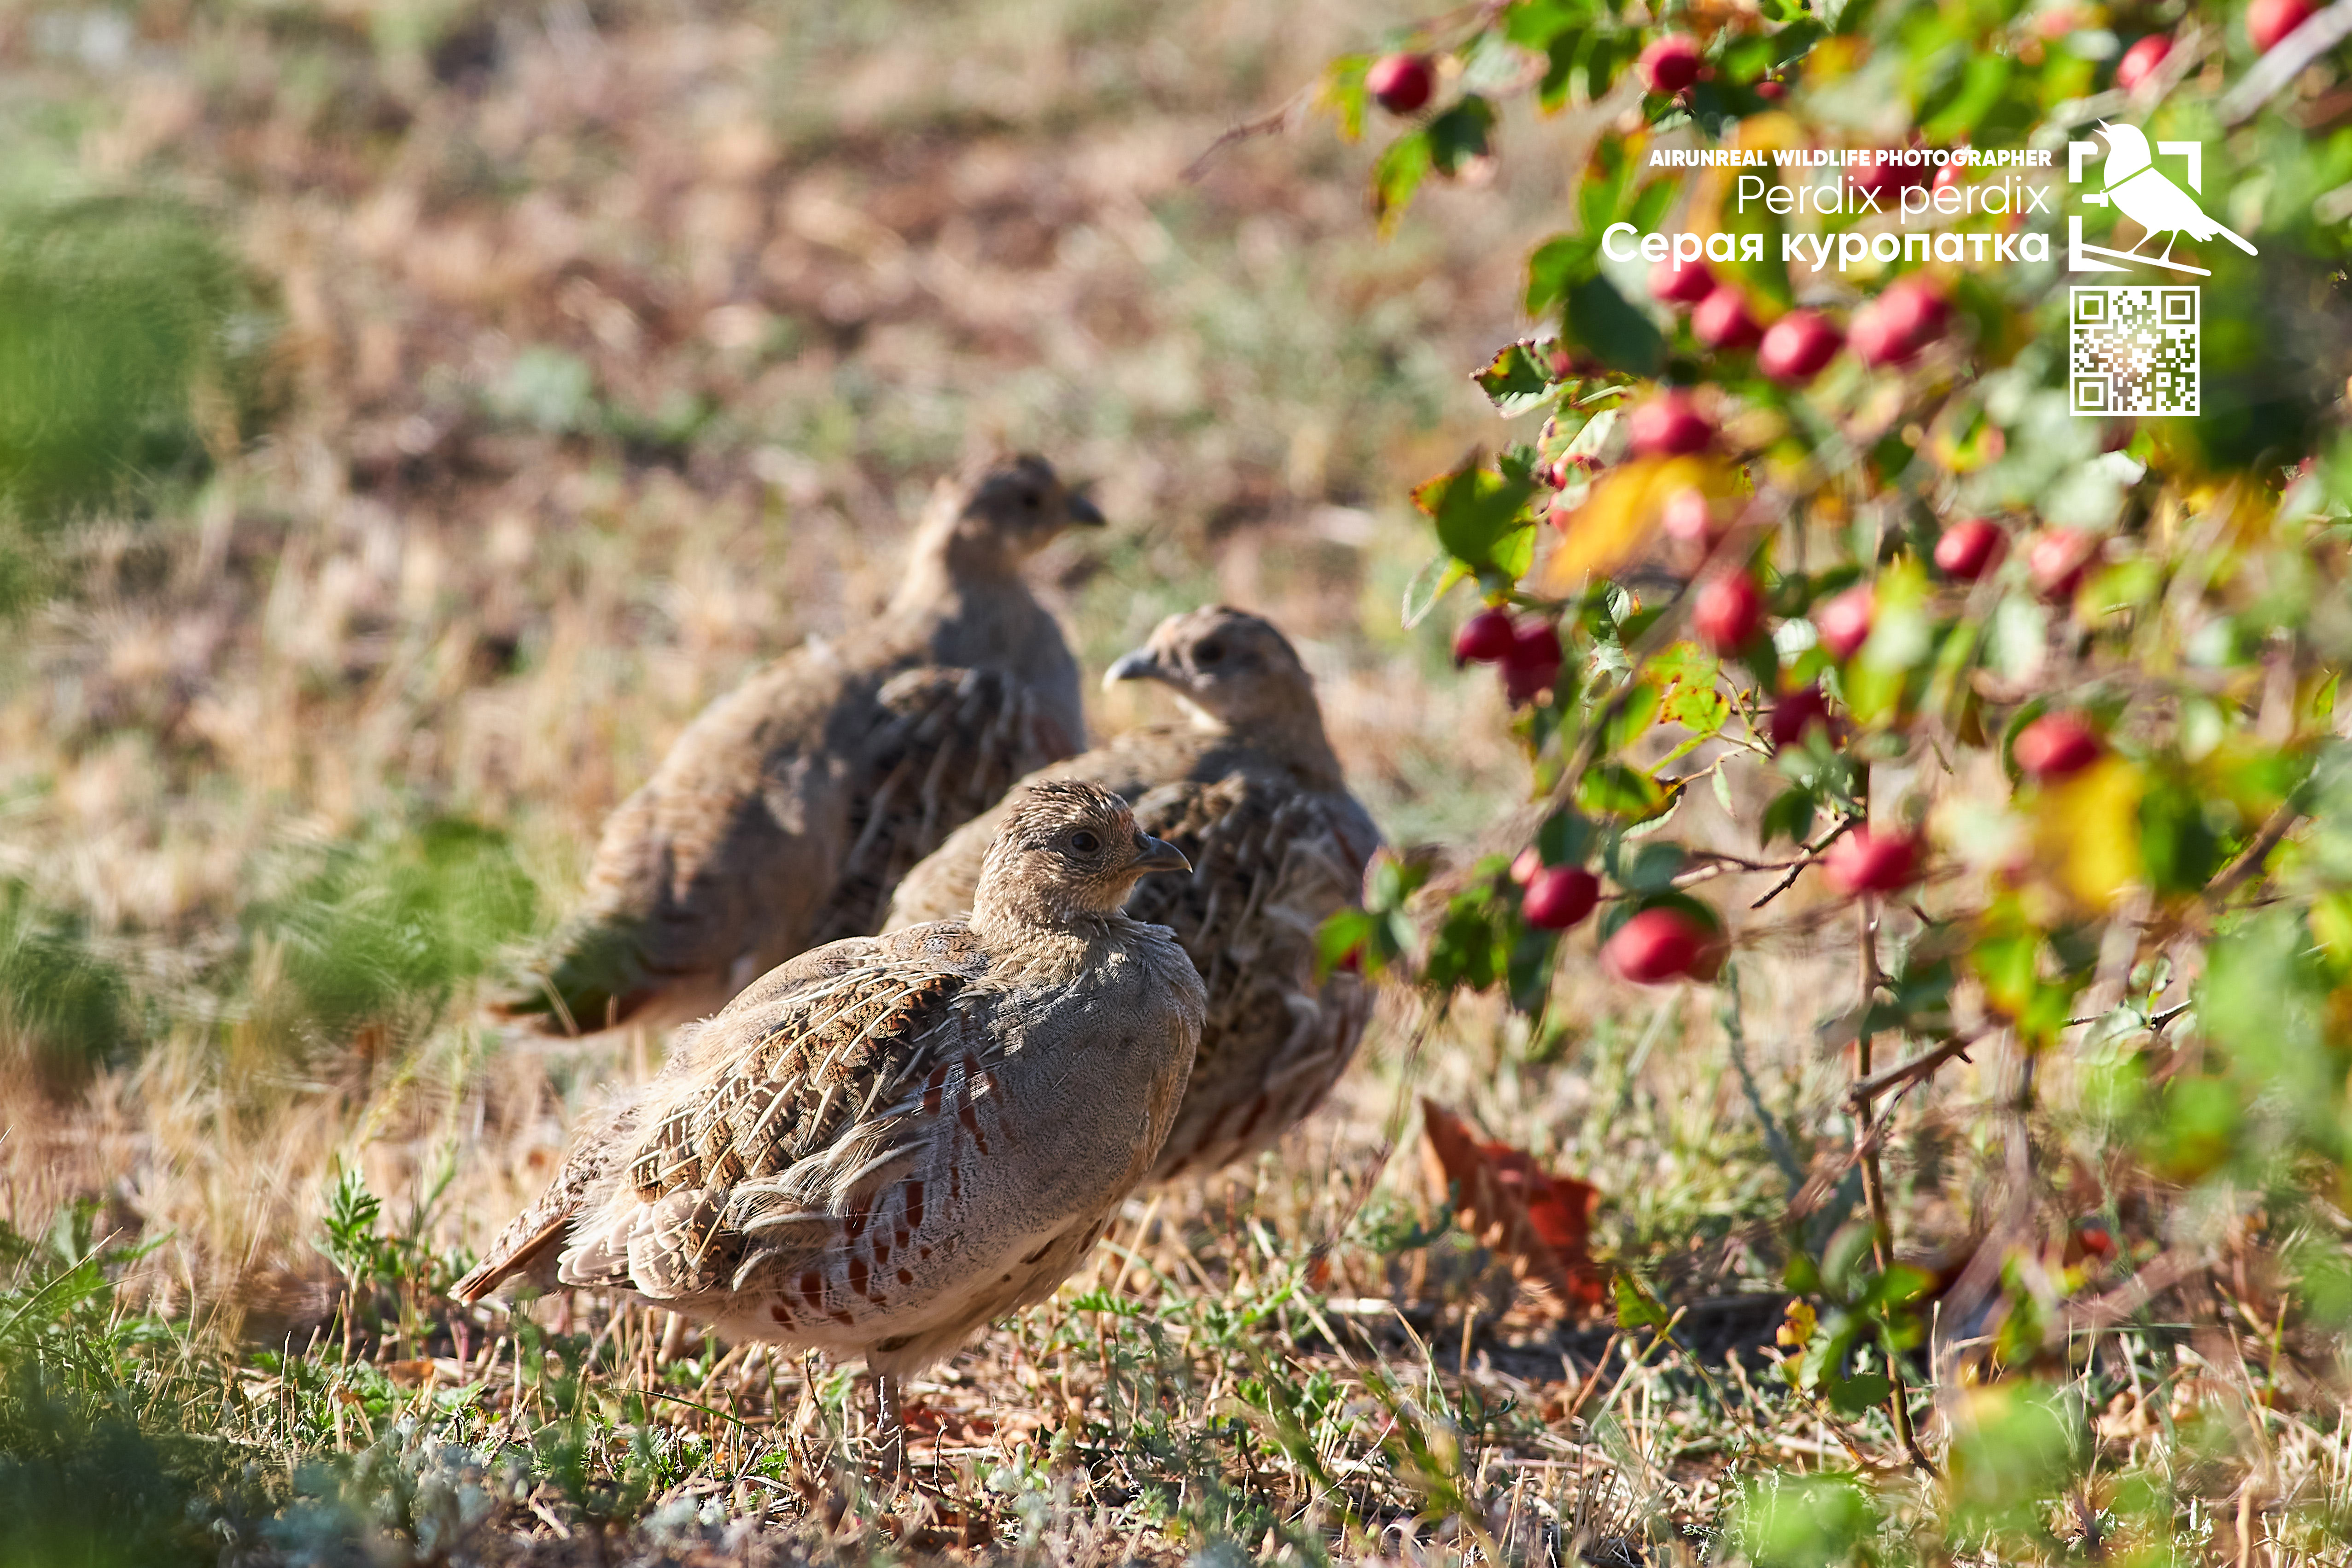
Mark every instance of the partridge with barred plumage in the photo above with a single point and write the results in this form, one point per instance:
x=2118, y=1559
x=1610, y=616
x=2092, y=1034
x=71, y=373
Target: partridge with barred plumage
x=1250, y=789
x=784, y=814
x=890, y=1141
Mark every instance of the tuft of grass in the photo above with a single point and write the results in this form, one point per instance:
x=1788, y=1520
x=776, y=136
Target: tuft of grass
x=131, y=352
x=383, y=931
x=66, y=1010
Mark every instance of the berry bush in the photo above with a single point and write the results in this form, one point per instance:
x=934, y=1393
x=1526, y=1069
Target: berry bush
x=2036, y=705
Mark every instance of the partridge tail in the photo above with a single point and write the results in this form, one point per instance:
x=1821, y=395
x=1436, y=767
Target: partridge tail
x=526, y=1246
x=2235, y=238
x=597, y=979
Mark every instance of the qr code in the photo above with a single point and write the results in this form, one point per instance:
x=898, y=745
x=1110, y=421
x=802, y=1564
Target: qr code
x=2132, y=350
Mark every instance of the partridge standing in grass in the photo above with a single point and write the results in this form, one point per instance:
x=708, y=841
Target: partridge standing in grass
x=785, y=812
x=1251, y=792
x=885, y=1142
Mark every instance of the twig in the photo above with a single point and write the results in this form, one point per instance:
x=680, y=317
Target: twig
x=1812, y=853
x=2285, y=61
x=1866, y=1089
x=1873, y=1185
x=1266, y=125
x=2275, y=827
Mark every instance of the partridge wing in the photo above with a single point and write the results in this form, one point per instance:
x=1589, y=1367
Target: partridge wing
x=1272, y=863
x=718, y=863
x=944, y=746
x=787, y=1108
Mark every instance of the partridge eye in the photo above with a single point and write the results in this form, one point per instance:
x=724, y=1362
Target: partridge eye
x=1209, y=652
x=1085, y=842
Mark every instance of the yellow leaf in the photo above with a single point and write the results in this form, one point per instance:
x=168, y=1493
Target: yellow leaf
x=1797, y=1332
x=1618, y=515
x=2086, y=831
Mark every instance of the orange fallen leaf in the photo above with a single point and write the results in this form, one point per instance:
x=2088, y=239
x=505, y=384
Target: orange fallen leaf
x=1542, y=1222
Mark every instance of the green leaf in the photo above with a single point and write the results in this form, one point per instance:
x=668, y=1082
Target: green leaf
x=1651, y=867
x=1460, y=134
x=1534, y=24
x=1613, y=789
x=1478, y=512
x=1430, y=584
x=1689, y=674
x=1515, y=380
x=1636, y=1307
x=1854, y=1395
x=1630, y=719
x=1565, y=839
x=1790, y=817
x=1397, y=174
x=2179, y=846
x=1618, y=334
x=1559, y=265
x=1343, y=93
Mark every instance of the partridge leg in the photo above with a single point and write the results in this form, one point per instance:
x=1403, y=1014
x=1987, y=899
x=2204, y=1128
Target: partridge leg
x=889, y=1432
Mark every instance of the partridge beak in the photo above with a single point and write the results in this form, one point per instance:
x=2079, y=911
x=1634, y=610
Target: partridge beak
x=1141, y=665
x=1083, y=511
x=1158, y=854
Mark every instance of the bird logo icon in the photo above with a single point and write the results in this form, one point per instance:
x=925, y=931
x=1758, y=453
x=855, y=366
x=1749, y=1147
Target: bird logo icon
x=2136, y=187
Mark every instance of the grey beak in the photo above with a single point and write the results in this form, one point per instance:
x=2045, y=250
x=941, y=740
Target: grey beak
x=1159, y=854
x=1084, y=511
x=1139, y=665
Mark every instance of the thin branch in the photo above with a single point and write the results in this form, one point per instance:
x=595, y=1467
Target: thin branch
x=1874, y=1186
x=1868, y=1089
x=1267, y=124
x=1812, y=853
x=2272, y=830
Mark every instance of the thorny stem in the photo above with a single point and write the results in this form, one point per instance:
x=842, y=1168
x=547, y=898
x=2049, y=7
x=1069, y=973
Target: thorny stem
x=1874, y=1186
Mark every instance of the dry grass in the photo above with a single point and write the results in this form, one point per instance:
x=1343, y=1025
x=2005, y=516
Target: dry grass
x=618, y=343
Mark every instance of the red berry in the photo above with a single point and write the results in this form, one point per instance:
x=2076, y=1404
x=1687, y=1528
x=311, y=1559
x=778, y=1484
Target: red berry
x=2139, y=61
x=1485, y=639
x=2057, y=558
x=1558, y=896
x=1795, y=347
x=1844, y=622
x=1772, y=89
x=1886, y=173
x=1532, y=666
x=1969, y=549
x=1728, y=611
x=1796, y=713
x=1949, y=175
x=1668, y=425
x=1688, y=517
x=1524, y=867
x=1681, y=282
x=2268, y=21
x=1401, y=83
x=2056, y=745
x=1658, y=944
x=1670, y=62
x=1868, y=861
x=1722, y=321
x=1905, y=319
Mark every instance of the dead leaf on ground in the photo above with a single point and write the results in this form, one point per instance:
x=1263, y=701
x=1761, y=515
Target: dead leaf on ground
x=1541, y=1222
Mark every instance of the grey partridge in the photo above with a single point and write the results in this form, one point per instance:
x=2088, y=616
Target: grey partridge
x=887, y=1142
x=785, y=812
x=1249, y=789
